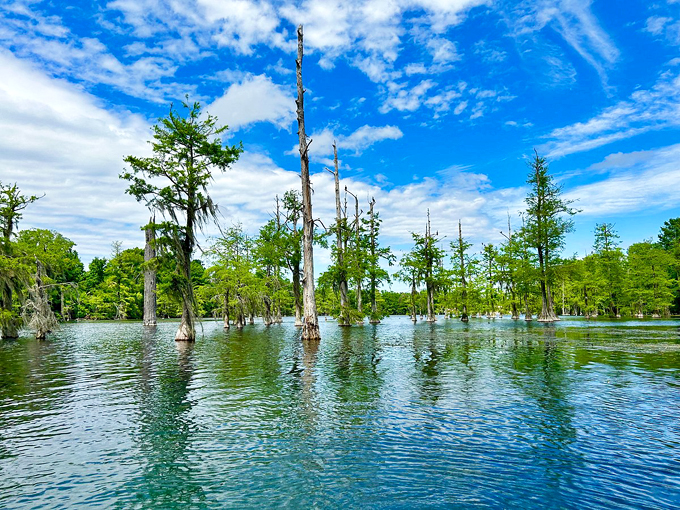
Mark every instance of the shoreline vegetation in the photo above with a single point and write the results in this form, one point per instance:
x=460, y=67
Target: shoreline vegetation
x=270, y=275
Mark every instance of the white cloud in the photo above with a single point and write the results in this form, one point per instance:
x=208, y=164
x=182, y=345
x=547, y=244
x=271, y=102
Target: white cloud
x=637, y=181
x=665, y=27
x=255, y=99
x=404, y=99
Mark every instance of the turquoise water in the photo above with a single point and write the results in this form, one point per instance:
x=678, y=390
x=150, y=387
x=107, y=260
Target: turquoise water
x=491, y=414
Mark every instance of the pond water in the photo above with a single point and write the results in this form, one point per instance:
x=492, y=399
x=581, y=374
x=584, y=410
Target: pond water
x=491, y=414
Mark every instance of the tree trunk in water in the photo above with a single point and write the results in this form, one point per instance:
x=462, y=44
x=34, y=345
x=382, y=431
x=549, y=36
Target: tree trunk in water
x=547, y=312
x=515, y=312
x=150, y=276
x=430, y=303
x=343, y=320
x=187, y=328
x=240, y=321
x=310, y=329
x=267, y=311
x=186, y=331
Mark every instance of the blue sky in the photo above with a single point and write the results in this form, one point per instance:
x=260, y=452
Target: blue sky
x=434, y=104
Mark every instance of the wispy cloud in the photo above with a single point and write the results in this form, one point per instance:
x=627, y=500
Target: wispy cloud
x=635, y=181
x=645, y=110
x=575, y=22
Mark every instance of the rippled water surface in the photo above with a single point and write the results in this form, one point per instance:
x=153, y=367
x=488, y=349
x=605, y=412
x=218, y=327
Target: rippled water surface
x=490, y=414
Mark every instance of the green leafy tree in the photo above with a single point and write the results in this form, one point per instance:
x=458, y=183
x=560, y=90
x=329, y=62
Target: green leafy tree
x=410, y=272
x=186, y=151
x=548, y=221
x=425, y=264
x=610, y=264
x=61, y=267
x=13, y=271
x=461, y=261
x=376, y=254
x=669, y=240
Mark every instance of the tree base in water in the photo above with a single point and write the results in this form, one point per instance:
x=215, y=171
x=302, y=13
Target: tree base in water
x=310, y=331
x=9, y=332
x=185, y=334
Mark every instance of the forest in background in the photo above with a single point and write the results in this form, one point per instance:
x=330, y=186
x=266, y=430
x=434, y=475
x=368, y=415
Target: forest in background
x=244, y=277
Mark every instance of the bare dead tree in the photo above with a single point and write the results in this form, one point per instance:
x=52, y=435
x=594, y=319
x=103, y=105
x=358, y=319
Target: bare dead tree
x=310, y=329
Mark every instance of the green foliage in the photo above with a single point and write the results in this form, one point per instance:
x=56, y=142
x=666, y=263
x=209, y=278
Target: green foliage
x=649, y=286
x=14, y=270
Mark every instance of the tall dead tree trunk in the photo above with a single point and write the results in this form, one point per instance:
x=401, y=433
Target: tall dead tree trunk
x=429, y=268
x=150, y=275
x=343, y=320
x=374, y=304
x=461, y=253
x=357, y=257
x=310, y=329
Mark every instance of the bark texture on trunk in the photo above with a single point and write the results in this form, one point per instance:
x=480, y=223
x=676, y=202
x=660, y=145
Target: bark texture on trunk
x=150, y=276
x=187, y=328
x=310, y=329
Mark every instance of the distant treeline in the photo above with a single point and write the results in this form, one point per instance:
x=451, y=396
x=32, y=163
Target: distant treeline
x=240, y=277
